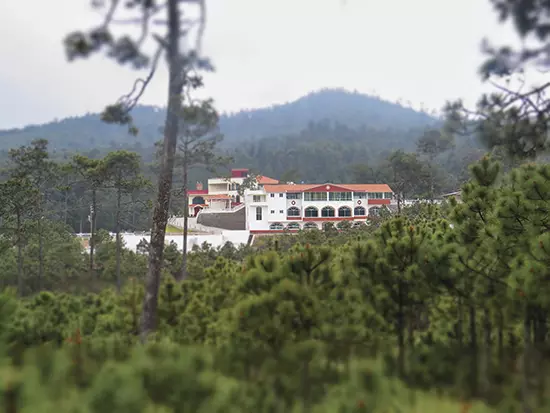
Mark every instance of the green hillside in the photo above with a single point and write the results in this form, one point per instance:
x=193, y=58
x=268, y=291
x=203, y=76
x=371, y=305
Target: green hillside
x=352, y=109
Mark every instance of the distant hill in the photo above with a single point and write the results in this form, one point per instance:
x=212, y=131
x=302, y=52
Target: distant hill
x=352, y=109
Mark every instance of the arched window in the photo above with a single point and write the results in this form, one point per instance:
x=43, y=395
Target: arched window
x=311, y=225
x=374, y=212
x=293, y=226
x=293, y=212
x=360, y=211
x=344, y=211
x=311, y=212
x=276, y=226
x=327, y=212
x=198, y=200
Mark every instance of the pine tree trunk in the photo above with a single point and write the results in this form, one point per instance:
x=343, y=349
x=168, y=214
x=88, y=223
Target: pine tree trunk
x=486, y=356
x=540, y=339
x=526, y=367
x=411, y=325
x=19, y=255
x=118, y=241
x=40, y=253
x=460, y=323
x=474, y=351
x=500, y=337
x=398, y=203
x=66, y=212
x=160, y=214
x=400, y=332
x=92, y=232
x=183, y=274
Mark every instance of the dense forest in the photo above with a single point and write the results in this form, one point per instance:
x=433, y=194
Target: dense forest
x=350, y=320
x=429, y=308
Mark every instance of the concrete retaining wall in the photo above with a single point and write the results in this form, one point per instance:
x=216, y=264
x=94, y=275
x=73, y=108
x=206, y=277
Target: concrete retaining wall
x=231, y=220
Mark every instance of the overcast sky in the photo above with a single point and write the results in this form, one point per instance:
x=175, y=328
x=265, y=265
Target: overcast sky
x=265, y=52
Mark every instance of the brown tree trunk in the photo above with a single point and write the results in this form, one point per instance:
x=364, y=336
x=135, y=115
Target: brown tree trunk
x=400, y=332
x=474, y=351
x=485, y=365
x=460, y=323
x=92, y=232
x=40, y=253
x=526, y=367
x=183, y=274
x=118, y=241
x=19, y=255
x=160, y=214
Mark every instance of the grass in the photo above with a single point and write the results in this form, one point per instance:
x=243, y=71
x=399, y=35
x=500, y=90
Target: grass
x=170, y=229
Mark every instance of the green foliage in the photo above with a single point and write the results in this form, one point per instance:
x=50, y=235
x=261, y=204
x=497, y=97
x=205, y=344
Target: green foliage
x=357, y=319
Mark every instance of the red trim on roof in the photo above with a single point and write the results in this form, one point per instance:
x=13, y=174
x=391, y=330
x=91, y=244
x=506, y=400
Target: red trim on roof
x=297, y=188
x=379, y=201
x=329, y=188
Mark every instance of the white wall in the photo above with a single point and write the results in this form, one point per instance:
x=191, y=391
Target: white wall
x=252, y=223
x=217, y=240
x=277, y=204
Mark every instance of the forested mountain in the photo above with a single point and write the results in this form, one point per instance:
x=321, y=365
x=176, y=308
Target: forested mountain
x=351, y=109
x=321, y=136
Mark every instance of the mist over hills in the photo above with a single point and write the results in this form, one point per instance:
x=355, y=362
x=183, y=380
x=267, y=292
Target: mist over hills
x=351, y=109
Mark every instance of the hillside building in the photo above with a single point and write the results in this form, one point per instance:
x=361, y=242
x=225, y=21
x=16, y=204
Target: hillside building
x=293, y=207
x=269, y=206
x=223, y=192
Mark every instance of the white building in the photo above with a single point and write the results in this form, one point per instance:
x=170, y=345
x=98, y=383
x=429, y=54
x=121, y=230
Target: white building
x=222, y=193
x=293, y=207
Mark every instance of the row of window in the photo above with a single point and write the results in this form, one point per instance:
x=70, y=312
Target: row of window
x=327, y=212
x=380, y=195
x=334, y=196
x=312, y=212
x=308, y=225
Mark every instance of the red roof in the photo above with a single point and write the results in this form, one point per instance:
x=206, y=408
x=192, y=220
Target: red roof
x=265, y=180
x=321, y=187
x=197, y=191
